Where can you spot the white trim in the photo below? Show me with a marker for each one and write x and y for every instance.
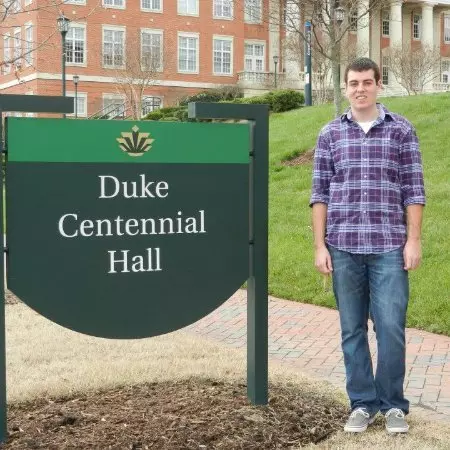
(447, 18)
(84, 26)
(114, 28)
(257, 42)
(224, 38)
(161, 10)
(161, 33)
(222, 17)
(79, 95)
(28, 57)
(106, 80)
(114, 6)
(186, 34)
(250, 19)
(197, 7)
(74, 2)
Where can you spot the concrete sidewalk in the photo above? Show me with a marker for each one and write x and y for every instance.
(307, 337)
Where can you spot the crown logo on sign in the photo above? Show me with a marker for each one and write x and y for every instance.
(135, 143)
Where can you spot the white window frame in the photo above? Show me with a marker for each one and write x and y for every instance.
(122, 6)
(417, 26)
(27, 2)
(75, 2)
(189, 11)
(446, 29)
(221, 4)
(28, 53)
(160, 10)
(385, 70)
(353, 20)
(84, 63)
(7, 52)
(17, 48)
(144, 113)
(264, 45)
(80, 95)
(182, 34)
(161, 34)
(228, 39)
(249, 7)
(124, 43)
(114, 97)
(445, 71)
(385, 21)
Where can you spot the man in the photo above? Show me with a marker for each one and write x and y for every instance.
(367, 200)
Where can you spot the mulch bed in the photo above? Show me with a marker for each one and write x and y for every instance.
(189, 414)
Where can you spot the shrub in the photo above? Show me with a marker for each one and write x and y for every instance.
(154, 115)
(286, 100)
(214, 95)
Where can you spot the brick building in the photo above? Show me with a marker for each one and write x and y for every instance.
(192, 44)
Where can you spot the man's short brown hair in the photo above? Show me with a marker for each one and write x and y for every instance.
(361, 65)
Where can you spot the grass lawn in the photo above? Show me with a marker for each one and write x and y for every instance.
(291, 270)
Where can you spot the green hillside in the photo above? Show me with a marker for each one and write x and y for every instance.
(291, 270)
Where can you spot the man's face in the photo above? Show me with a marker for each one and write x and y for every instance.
(362, 89)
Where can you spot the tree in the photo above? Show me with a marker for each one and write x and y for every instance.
(138, 72)
(330, 24)
(414, 68)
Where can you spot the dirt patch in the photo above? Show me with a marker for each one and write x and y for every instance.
(10, 298)
(304, 158)
(189, 414)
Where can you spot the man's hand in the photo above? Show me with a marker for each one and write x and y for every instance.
(412, 254)
(323, 260)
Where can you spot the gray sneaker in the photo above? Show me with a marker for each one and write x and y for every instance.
(395, 421)
(358, 421)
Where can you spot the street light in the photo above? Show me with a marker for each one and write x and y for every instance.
(76, 79)
(339, 14)
(275, 62)
(63, 26)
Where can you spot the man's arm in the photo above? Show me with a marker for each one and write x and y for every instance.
(412, 253)
(322, 255)
(413, 192)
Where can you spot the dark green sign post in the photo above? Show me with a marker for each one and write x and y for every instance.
(124, 229)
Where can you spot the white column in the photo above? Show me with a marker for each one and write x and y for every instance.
(274, 34)
(363, 31)
(427, 31)
(427, 25)
(292, 51)
(396, 39)
(375, 42)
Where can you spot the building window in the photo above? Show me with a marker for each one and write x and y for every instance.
(353, 20)
(151, 50)
(188, 7)
(417, 25)
(188, 53)
(76, 44)
(385, 70)
(114, 106)
(28, 45)
(6, 68)
(14, 6)
(17, 47)
(385, 23)
(114, 3)
(445, 70)
(113, 47)
(447, 29)
(81, 103)
(254, 57)
(151, 5)
(223, 9)
(149, 104)
(252, 11)
(223, 48)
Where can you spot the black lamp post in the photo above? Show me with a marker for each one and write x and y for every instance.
(275, 62)
(63, 26)
(76, 79)
(339, 14)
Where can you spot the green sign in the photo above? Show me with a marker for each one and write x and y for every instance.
(126, 229)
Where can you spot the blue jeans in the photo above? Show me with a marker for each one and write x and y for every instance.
(377, 282)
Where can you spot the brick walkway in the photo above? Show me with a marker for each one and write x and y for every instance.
(307, 337)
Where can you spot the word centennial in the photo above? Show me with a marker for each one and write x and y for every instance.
(71, 225)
